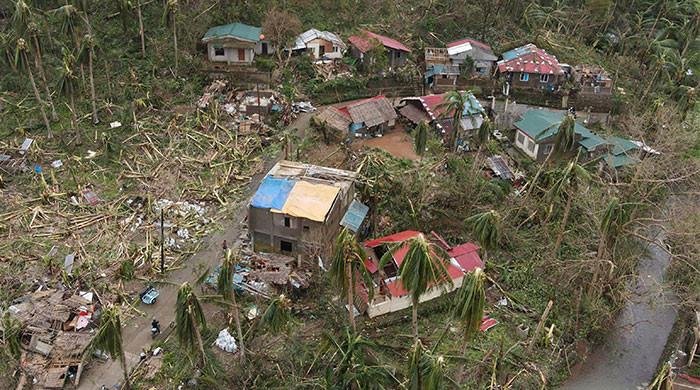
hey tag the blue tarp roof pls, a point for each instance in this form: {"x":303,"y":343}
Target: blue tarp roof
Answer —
{"x":354,"y":216}
{"x":272,"y":193}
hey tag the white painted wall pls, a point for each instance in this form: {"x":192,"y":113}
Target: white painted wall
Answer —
{"x":230,"y":55}
{"x":523,"y":146}
{"x":391,"y":305}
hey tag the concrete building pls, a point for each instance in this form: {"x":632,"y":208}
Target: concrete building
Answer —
{"x":298,"y":208}
{"x":235,"y":44}
{"x":320,"y":45}
{"x":529,"y":67}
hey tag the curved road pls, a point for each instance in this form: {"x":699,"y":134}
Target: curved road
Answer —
{"x":630,"y":355}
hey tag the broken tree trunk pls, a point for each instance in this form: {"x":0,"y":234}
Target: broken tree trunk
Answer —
{"x":540,"y":325}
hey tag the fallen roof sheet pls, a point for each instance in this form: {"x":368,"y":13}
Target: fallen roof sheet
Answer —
{"x":355,"y":215}
{"x":499,"y":166}
{"x":362,"y":42}
{"x":272,"y":193}
{"x":310,"y":201}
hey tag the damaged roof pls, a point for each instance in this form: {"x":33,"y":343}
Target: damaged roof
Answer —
{"x":310,"y":35}
{"x":334,"y":118}
{"x":363,"y":42}
{"x":529,"y":59}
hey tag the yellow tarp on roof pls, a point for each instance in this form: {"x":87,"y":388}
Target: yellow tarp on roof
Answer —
{"x":310,"y":201}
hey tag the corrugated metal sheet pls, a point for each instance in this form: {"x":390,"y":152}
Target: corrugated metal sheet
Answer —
{"x":310,"y":35}
{"x":529,"y":59}
{"x":498,"y":165}
{"x":334,"y":118}
{"x":362,"y":43}
{"x":234,"y":30}
{"x":372,"y":112}
{"x":355,"y":215}
{"x":414,"y":114}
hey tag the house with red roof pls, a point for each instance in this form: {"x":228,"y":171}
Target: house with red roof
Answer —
{"x":529,"y":67}
{"x":389,"y":293}
{"x":367,"y":117}
{"x":361,"y":44}
{"x":453,"y":60}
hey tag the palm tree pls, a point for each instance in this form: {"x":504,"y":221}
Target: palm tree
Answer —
{"x":347,"y":262}
{"x":22,"y":63}
{"x":453,"y":105}
{"x":86,"y":55}
{"x":142,"y":33}
{"x":486,"y":227}
{"x":615,"y":218}
{"x":424,"y":266}
{"x":469,"y":307}
{"x":421,"y":137}
{"x":69,"y":18}
{"x":170,"y":19}
{"x":109,"y":338}
{"x":278,"y":314}
{"x":570,"y":178}
{"x":351,"y":363}
{"x":564,"y":143}
{"x":426,"y":371}
{"x":68,"y":85}
{"x":26,"y":24}
{"x":10,"y":336}
{"x":482,"y":137}
{"x":189,"y":322}
{"x":225,"y":286}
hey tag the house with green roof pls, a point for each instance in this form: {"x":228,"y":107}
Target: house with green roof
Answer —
{"x":536,"y":133}
{"x":235,"y":43}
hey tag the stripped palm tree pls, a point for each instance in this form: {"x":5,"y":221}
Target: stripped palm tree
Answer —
{"x":453,"y":105}
{"x":482,"y":136}
{"x":486,"y":227}
{"x":26,"y":23}
{"x":278,"y":315}
{"x":564,"y":143}
{"x":569,"y":179}
{"x":426,"y":371}
{"x":109,"y":338}
{"x":615,"y":217}
{"x":421,"y":137}
{"x":347,"y":263}
{"x":170,"y":19}
{"x":22,"y":64}
{"x":68,"y":85}
{"x":225,"y":288}
{"x":86,"y":55}
{"x":424,"y":266}
{"x":189,"y":322}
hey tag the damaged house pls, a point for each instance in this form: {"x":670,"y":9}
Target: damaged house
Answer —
{"x":396,"y":52}
{"x":366,"y":117}
{"x":320,"y":45}
{"x":390,"y":295}
{"x":465,"y":57}
{"x":298,"y":207}
{"x":56,"y":334}
{"x":430,"y":109}
{"x":235,"y":44}
{"x":592,"y":79}
{"x":529,"y":67}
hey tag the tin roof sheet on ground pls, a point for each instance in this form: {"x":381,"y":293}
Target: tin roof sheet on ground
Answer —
{"x":272,"y":193}
{"x":355,"y":215}
{"x":500,"y":168}
{"x":310,"y":201}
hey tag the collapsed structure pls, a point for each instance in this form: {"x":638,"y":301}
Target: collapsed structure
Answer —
{"x":465,"y":57}
{"x":366,"y":117}
{"x":298,"y":207}
{"x":56,"y":334}
{"x":320,"y":45}
{"x":390,"y":295}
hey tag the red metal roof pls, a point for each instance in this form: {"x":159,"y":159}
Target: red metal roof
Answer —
{"x":471,"y":42}
{"x":466,"y":256}
{"x":344,"y":109}
{"x":535,"y":61}
{"x":363,"y":44}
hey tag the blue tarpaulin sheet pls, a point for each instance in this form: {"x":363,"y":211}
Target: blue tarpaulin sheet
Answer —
{"x":354,"y":216}
{"x":272,"y":193}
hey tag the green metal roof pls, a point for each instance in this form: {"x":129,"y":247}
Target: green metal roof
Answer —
{"x":621,"y":145}
{"x":540,"y":124}
{"x":617,"y":161}
{"x":592,"y":142}
{"x":234,"y":30}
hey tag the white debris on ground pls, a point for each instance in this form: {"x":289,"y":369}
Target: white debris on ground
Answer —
{"x":226,"y":342}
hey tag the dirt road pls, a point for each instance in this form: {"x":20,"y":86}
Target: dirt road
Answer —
{"x":629,"y":357}
{"x":136,"y":334}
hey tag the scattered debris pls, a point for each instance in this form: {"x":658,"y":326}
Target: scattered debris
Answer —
{"x":24,"y":148}
{"x":226,"y":342}
{"x":57,"y":164}
{"x":115,"y":125}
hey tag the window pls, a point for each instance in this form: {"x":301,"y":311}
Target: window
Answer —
{"x":481,"y":70}
{"x":524,"y":76}
{"x":547,"y":149}
{"x":287,"y":222}
{"x":398,"y":54}
{"x":544,"y":78}
{"x":285,"y":246}
{"x":521,"y":139}
{"x":219,"y":51}
{"x":306,"y":228}
{"x":530,"y":145}
{"x":336,"y":49}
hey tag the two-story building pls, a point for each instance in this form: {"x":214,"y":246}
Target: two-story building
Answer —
{"x":529,"y":67}
{"x":465,"y":57}
{"x":298,"y":208}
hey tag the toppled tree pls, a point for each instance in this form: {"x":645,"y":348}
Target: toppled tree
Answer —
{"x":567,"y":184}
{"x":426,"y":371}
{"x":109,"y":338}
{"x":280,"y":29}
{"x":189,"y":322}
{"x":224,"y":285}
{"x":486,"y":227}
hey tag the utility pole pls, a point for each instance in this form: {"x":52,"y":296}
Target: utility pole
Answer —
{"x":162,"y":243}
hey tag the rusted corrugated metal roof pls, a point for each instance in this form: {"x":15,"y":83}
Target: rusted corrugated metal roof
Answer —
{"x":362,"y":42}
